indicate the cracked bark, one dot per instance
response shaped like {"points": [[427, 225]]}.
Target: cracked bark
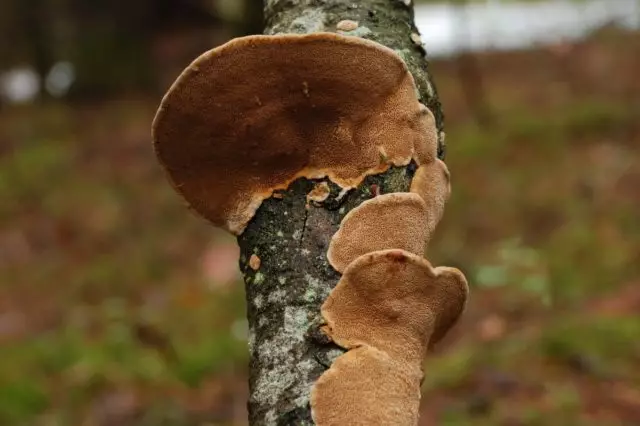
{"points": [[291, 236]]}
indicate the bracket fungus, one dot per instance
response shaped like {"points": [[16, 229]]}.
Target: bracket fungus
{"points": [[249, 117], [395, 220], [387, 309], [246, 119]]}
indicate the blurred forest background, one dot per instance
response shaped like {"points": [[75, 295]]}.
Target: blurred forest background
{"points": [[118, 307]]}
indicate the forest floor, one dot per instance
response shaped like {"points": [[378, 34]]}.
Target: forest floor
{"points": [[118, 307]]}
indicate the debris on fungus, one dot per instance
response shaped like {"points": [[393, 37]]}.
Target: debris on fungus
{"points": [[387, 309], [319, 193], [228, 138], [254, 262], [395, 220]]}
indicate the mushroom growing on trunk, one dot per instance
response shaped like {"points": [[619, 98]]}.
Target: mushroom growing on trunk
{"points": [[247, 120]]}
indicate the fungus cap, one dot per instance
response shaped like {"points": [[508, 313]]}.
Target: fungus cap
{"points": [[396, 302], [395, 220], [367, 387], [432, 182], [252, 115]]}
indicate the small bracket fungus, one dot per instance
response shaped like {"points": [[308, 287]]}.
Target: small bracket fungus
{"points": [[388, 308], [395, 301], [346, 25], [432, 182], [249, 117], [366, 387], [395, 220], [254, 262]]}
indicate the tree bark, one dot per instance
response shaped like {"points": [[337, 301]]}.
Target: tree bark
{"points": [[290, 237]]}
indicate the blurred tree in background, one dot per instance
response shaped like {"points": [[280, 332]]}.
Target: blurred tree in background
{"points": [[118, 45]]}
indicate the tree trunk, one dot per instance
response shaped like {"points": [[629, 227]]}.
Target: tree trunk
{"points": [[290, 238]]}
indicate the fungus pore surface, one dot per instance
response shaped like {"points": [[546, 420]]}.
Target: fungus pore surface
{"points": [[432, 183], [396, 302], [387, 309], [395, 220], [252, 115], [367, 387]]}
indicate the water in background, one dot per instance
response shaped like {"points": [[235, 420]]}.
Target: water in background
{"points": [[446, 29]]}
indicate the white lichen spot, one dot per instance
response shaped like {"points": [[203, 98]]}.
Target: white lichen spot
{"points": [[314, 285], [297, 234], [309, 295], [262, 321], [347, 25], [251, 340], [342, 210], [277, 296], [305, 252], [333, 354], [279, 234], [258, 302], [296, 322], [415, 37], [272, 248], [277, 352], [311, 21], [258, 278], [361, 32], [282, 280]]}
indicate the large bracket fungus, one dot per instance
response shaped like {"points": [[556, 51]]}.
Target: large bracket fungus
{"points": [[339, 108], [317, 105]]}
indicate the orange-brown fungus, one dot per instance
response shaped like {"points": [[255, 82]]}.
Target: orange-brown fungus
{"points": [[387, 308], [254, 114], [396, 302], [319, 193], [366, 387], [395, 220], [254, 262], [432, 183]]}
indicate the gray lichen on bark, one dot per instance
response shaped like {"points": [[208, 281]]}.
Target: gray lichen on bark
{"points": [[291, 236]]}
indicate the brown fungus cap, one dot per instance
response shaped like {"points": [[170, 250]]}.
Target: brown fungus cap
{"points": [[251, 116], [396, 302], [432, 183], [395, 220], [366, 387]]}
